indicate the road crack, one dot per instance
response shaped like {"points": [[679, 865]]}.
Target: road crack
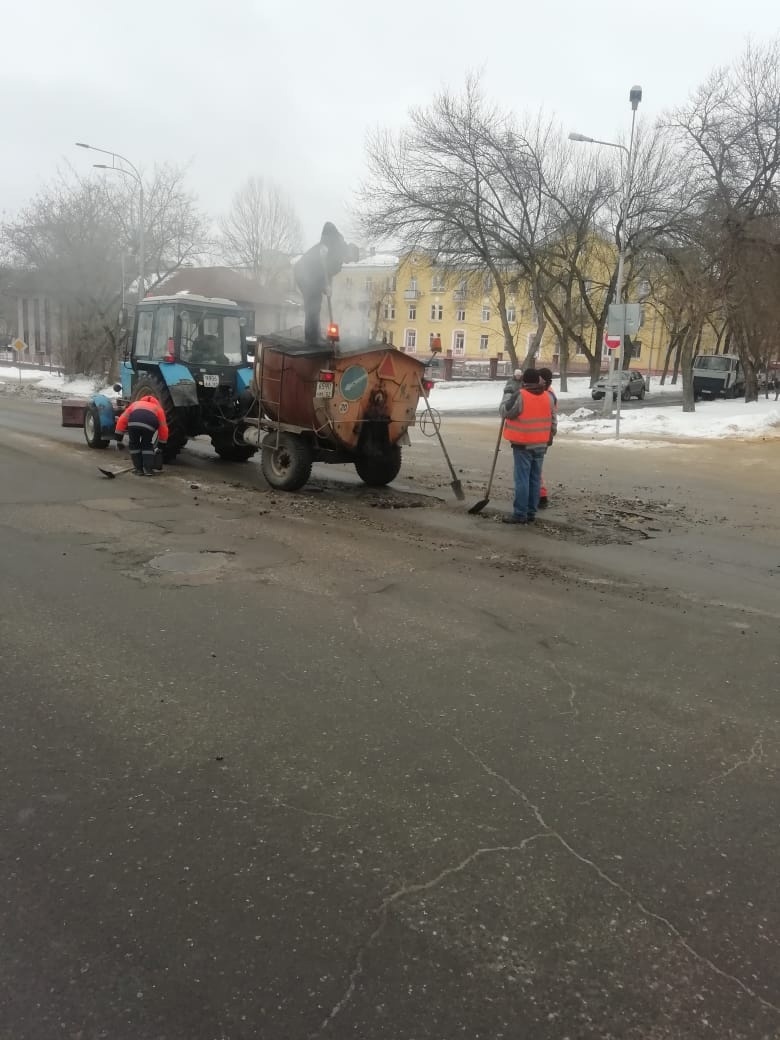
{"points": [[403, 892], [756, 755], [573, 711], [634, 900]]}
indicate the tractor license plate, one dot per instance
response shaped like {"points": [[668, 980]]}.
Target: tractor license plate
{"points": [[324, 390], [210, 380]]}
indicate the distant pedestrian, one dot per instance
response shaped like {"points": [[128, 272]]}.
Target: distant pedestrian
{"points": [[530, 425], [143, 420], [546, 376]]}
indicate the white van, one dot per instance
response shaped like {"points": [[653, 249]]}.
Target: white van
{"points": [[718, 375]]}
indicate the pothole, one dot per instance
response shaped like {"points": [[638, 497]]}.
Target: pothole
{"points": [[191, 562]]}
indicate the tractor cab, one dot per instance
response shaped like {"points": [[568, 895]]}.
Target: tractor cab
{"points": [[205, 336]]}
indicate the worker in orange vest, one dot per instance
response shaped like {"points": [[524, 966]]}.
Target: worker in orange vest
{"points": [[142, 421], [530, 424]]}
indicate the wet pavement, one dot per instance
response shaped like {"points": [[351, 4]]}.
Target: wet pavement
{"points": [[319, 765]]}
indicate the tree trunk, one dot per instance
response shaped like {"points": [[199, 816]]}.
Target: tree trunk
{"points": [[530, 358], [509, 342], [751, 379], [563, 362], [685, 358], [677, 355]]}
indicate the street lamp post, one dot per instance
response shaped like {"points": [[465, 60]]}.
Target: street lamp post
{"points": [[634, 96], [133, 174]]}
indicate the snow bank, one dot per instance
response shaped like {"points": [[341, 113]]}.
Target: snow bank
{"points": [[711, 420], [80, 386], [485, 395]]}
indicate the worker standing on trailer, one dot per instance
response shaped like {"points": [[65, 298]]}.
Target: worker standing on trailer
{"points": [[314, 273], [142, 421]]}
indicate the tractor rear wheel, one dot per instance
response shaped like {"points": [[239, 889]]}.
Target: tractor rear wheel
{"points": [[227, 448], [151, 385], [378, 470], [287, 460]]}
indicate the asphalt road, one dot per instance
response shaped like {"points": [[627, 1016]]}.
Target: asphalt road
{"points": [[322, 765]]}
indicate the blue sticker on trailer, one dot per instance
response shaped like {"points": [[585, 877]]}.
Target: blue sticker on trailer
{"points": [[353, 383]]}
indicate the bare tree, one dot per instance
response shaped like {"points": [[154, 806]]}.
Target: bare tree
{"points": [[261, 226], [728, 136], [79, 239], [430, 188]]}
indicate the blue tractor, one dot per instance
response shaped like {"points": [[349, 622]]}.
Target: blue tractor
{"points": [[190, 352]]}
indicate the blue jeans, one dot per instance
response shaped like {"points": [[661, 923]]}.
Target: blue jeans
{"points": [[528, 480]]}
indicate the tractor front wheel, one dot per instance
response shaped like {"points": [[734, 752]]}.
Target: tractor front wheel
{"points": [[93, 434]]}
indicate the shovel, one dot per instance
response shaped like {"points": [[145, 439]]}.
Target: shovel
{"points": [[479, 506], [113, 473], [455, 484]]}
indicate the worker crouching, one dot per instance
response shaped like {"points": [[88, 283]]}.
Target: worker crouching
{"points": [[530, 425], [143, 421]]}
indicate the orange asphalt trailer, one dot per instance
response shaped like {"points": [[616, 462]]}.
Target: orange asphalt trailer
{"points": [[331, 402]]}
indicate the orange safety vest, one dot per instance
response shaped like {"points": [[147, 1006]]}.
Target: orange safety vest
{"points": [[533, 425]]}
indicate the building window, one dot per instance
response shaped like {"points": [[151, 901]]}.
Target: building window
{"points": [[413, 284], [485, 313], [412, 312], [390, 337], [461, 315], [511, 314], [483, 342], [390, 284], [389, 312], [437, 312], [369, 284], [487, 283], [579, 351], [458, 343], [410, 341], [347, 283], [636, 348], [437, 282]]}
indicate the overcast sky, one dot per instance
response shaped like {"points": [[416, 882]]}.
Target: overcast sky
{"points": [[288, 89]]}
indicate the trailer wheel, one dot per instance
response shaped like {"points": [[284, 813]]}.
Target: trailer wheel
{"points": [[228, 450], [150, 384], [93, 434], [378, 470], [286, 461]]}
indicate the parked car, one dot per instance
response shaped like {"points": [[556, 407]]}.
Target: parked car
{"points": [[633, 384]]}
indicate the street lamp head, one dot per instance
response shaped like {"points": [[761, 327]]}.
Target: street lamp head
{"points": [[580, 137], [101, 166], [635, 96], [80, 144]]}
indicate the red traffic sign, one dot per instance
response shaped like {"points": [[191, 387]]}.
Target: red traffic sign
{"points": [[611, 342]]}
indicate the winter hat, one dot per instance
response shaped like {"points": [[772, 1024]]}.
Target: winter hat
{"points": [[531, 377]]}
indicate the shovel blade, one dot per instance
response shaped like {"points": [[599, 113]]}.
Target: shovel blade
{"points": [[479, 506], [457, 487]]}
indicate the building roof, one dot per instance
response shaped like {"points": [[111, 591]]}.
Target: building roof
{"points": [[223, 283], [377, 260]]}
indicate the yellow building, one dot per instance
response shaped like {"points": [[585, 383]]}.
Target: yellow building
{"points": [[459, 308], [410, 300]]}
